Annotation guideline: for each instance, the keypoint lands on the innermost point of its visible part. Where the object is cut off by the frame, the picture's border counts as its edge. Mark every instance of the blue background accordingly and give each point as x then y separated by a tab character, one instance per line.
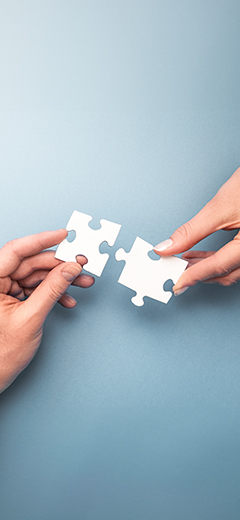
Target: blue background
129	111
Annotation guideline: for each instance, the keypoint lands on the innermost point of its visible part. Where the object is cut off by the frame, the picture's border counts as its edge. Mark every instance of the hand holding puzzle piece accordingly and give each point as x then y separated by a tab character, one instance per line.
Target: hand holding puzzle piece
143	275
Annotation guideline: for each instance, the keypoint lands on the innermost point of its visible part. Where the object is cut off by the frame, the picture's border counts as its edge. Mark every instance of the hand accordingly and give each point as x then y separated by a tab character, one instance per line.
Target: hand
223	266
26	271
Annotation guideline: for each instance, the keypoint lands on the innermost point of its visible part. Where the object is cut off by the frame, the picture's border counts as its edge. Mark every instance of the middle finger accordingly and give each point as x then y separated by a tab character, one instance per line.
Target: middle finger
42	261
34	279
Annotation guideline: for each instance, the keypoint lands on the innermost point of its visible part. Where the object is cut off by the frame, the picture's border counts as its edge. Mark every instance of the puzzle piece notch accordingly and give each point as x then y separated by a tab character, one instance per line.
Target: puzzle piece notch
87	241
145	276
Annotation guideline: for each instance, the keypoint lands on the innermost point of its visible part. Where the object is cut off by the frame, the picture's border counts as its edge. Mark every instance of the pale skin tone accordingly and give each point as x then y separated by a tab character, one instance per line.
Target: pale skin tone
222	266
32	280
26	270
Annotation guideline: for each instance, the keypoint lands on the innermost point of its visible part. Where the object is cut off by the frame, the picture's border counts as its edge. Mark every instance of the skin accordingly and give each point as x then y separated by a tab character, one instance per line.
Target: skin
222	266
32	281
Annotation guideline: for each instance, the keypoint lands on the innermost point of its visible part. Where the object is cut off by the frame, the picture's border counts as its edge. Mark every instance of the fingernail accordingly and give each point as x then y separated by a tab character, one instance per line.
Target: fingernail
181	291
163	245
71	272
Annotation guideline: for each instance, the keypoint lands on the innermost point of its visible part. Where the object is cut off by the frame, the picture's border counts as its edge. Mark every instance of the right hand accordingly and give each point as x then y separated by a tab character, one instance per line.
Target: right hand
222	266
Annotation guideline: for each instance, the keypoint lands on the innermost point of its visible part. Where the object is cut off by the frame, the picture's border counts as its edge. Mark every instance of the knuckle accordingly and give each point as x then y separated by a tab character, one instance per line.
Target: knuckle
221	269
54	291
218	270
227	281
11	246
185	231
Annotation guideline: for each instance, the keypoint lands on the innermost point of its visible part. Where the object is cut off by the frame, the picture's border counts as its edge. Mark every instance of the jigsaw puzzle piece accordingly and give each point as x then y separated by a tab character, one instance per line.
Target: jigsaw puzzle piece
145	276
87	241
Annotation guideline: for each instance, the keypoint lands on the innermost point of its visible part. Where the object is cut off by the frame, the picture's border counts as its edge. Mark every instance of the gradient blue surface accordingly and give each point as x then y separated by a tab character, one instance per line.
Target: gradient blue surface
129	111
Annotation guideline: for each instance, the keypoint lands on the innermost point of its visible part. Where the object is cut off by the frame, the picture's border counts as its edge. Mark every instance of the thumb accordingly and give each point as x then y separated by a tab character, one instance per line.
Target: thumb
186	236
46	295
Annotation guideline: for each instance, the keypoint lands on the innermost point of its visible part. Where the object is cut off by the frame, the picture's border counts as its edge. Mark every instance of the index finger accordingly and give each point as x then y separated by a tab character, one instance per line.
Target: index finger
13	252
218	264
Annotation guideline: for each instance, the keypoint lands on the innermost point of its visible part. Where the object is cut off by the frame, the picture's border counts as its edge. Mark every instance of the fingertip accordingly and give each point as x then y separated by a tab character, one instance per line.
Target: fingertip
70	271
67	301
177	292
180	284
81	259
72	305
161	253
61	235
84	281
163	247
167	252
92	281
63	231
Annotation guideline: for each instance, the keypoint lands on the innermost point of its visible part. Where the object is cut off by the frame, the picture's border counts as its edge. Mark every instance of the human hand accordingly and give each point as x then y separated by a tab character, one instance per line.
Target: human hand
222	266
27	271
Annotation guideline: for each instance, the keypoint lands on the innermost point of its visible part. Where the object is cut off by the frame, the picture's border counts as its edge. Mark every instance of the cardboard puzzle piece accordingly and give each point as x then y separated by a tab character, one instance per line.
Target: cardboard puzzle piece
87	242
146	276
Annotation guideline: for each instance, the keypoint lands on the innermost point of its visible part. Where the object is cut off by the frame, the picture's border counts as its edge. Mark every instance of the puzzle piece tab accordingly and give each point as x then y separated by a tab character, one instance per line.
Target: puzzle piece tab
146	276
87	242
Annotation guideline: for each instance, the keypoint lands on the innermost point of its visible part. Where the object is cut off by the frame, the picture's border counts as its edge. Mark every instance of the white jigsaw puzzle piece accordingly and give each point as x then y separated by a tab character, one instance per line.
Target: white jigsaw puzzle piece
87	242
146	276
